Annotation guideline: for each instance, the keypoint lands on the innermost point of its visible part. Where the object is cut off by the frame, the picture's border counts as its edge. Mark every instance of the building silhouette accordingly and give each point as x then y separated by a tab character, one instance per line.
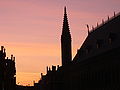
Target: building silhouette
66	41
20	87
96	66
7	71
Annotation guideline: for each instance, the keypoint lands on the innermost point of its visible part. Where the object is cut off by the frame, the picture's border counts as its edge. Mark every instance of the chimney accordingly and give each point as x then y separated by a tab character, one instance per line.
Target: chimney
57	66
102	21
114	14
2	47
4	50
53	68
41	74
97	24
11	57
47	69
108	18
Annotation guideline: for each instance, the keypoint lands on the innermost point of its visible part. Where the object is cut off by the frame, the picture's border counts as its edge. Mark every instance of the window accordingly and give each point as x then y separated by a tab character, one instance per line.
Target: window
99	43
6	64
111	38
88	49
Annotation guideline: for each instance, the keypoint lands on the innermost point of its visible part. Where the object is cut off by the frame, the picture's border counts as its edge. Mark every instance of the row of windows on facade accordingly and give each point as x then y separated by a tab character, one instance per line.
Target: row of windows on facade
100	43
99	76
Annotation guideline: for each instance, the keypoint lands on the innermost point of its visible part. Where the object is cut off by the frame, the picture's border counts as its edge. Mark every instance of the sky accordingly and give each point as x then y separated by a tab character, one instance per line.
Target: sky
31	30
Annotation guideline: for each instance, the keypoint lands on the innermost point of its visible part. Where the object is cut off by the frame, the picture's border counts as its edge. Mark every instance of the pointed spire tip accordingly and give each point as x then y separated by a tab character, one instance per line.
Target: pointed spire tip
65	9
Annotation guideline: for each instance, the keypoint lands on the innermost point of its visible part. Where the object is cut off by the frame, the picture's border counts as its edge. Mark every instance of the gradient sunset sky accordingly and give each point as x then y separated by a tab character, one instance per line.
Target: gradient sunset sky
31	30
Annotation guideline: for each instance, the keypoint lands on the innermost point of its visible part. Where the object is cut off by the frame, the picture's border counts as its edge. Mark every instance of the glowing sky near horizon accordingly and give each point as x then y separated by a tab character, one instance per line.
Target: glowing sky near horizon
31	29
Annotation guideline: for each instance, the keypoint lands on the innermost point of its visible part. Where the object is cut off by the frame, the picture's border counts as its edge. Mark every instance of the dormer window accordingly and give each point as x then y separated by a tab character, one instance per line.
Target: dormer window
88	49
111	38
99	43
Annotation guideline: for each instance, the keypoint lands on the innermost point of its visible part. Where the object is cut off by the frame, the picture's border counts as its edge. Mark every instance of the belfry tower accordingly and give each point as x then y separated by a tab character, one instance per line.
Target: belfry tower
66	51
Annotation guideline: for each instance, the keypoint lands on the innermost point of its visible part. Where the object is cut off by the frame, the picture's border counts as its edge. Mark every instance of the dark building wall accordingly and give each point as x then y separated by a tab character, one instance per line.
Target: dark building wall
7	71
102	71
25	88
98	68
104	37
96	65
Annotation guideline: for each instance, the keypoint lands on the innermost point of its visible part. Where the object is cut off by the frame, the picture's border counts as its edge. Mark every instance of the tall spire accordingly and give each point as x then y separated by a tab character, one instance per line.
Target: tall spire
66	51
65	23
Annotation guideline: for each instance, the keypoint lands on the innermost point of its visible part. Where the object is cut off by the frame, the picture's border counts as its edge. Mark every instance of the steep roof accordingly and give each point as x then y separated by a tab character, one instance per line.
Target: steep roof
103	38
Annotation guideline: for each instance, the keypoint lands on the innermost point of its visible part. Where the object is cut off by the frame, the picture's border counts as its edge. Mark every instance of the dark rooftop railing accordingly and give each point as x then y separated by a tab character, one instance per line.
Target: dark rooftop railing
104	22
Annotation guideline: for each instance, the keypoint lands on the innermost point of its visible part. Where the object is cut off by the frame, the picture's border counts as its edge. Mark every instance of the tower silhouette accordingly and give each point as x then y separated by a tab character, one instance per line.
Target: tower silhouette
66	51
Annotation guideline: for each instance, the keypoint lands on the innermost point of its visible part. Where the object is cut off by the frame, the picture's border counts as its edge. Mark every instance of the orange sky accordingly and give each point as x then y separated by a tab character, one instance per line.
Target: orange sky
31	29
